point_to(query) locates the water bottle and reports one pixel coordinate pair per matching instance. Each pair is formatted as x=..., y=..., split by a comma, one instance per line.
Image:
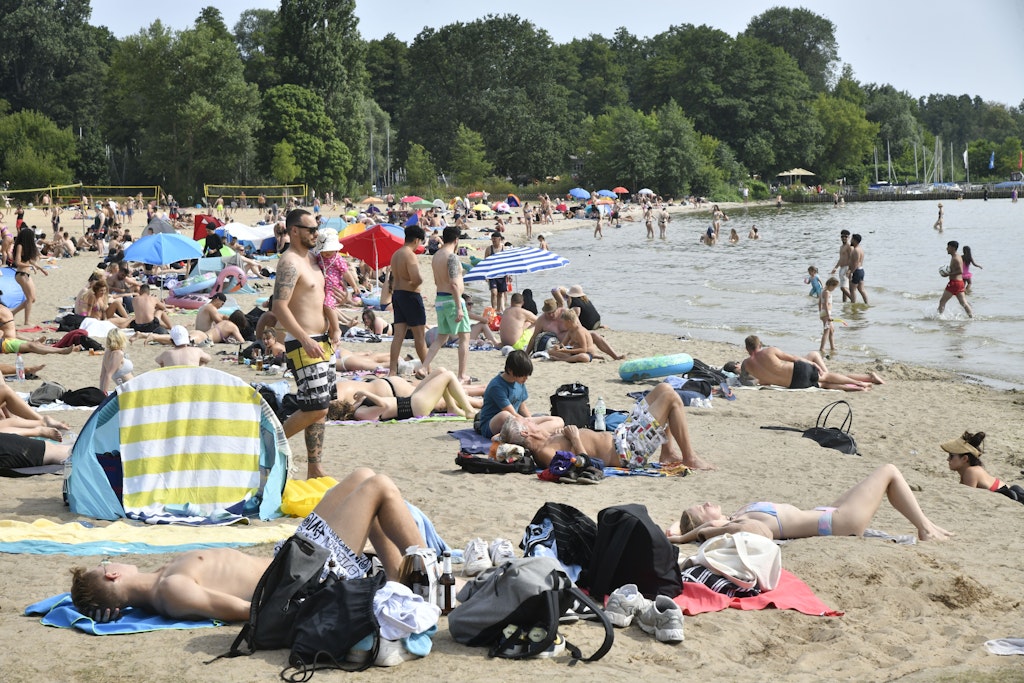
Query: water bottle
x=19, y=368
x=599, y=412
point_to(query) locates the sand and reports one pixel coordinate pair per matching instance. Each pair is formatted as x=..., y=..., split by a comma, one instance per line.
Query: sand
x=918, y=612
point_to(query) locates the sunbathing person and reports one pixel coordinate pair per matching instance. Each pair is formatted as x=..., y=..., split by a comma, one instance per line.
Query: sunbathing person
x=219, y=583
x=657, y=421
x=18, y=417
x=400, y=387
x=577, y=345
x=216, y=324
x=351, y=361
x=965, y=459
x=95, y=302
x=116, y=368
x=772, y=366
x=438, y=384
x=185, y=351
x=9, y=342
x=847, y=516
x=23, y=451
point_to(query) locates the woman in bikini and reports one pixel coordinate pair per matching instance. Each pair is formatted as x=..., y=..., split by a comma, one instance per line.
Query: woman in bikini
x=848, y=516
x=26, y=261
x=94, y=302
x=400, y=387
x=969, y=262
x=965, y=459
x=439, y=384
x=116, y=368
x=348, y=361
x=6, y=243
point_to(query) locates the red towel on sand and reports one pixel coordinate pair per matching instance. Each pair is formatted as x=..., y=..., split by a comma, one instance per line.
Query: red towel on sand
x=791, y=593
x=34, y=328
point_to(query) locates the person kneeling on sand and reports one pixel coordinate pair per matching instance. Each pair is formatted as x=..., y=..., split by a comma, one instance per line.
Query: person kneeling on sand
x=218, y=583
x=657, y=421
x=772, y=366
x=847, y=516
x=577, y=345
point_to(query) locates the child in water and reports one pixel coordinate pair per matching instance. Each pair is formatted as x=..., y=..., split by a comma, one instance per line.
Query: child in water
x=813, y=281
x=828, y=329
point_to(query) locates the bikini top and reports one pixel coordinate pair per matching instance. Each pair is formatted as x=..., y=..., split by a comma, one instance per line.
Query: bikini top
x=762, y=507
x=127, y=368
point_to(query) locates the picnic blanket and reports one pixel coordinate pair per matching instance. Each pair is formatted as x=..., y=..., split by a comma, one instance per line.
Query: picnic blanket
x=59, y=612
x=790, y=593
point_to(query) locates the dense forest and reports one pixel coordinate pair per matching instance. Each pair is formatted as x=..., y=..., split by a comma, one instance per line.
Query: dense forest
x=297, y=95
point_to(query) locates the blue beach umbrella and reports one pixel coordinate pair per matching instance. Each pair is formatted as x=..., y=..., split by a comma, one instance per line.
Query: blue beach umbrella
x=606, y=193
x=579, y=193
x=10, y=291
x=515, y=262
x=162, y=248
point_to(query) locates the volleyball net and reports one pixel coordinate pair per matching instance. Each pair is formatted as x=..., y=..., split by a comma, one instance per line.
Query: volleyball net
x=248, y=195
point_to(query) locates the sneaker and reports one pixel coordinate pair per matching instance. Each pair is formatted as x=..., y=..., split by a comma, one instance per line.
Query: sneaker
x=516, y=645
x=625, y=603
x=537, y=634
x=664, y=619
x=476, y=557
x=501, y=552
x=390, y=653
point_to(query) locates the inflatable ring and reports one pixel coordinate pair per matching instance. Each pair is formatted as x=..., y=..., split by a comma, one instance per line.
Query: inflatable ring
x=231, y=279
x=196, y=283
x=191, y=301
x=655, y=366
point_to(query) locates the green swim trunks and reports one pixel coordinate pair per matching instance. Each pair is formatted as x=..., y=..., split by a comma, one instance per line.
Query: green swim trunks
x=12, y=345
x=446, y=314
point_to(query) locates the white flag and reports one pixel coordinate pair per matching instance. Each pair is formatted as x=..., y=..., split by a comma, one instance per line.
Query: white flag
x=965, y=157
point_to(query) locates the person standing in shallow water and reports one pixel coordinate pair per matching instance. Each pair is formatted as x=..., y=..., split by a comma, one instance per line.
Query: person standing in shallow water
x=857, y=270
x=956, y=285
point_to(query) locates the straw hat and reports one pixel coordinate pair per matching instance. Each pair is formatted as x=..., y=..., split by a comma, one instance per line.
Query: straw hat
x=575, y=290
x=959, y=446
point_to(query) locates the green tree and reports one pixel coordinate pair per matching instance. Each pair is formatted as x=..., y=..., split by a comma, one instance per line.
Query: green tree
x=895, y=113
x=594, y=76
x=807, y=37
x=36, y=153
x=256, y=33
x=419, y=169
x=623, y=149
x=679, y=157
x=320, y=50
x=469, y=158
x=387, y=72
x=283, y=166
x=847, y=136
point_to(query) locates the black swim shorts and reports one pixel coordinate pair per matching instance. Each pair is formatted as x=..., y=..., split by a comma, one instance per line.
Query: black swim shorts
x=408, y=308
x=804, y=375
x=20, y=451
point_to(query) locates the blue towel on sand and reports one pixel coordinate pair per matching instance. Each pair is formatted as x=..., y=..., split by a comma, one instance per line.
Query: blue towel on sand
x=60, y=612
x=470, y=441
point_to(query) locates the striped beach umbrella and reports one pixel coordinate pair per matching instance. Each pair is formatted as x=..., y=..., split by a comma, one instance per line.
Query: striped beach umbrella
x=515, y=262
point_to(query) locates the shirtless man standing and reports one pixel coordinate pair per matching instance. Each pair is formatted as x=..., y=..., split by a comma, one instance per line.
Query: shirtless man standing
x=956, y=285
x=150, y=313
x=843, y=265
x=657, y=421
x=516, y=324
x=857, y=269
x=772, y=366
x=183, y=352
x=311, y=331
x=218, y=583
x=406, y=300
x=452, y=316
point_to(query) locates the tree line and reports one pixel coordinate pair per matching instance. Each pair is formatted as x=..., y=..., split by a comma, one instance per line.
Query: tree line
x=297, y=95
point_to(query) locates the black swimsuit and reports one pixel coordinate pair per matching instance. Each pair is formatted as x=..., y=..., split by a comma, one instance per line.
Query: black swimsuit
x=404, y=407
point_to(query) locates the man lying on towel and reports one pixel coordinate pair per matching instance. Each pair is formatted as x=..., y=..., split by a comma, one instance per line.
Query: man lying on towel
x=658, y=421
x=770, y=365
x=219, y=583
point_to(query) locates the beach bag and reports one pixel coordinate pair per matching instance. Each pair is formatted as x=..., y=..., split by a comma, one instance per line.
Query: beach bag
x=69, y=322
x=631, y=548
x=86, y=396
x=292, y=577
x=329, y=623
x=838, y=438
x=523, y=592
x=572, y=533
x=482, y=464
x=747, y=560
x=45, y=393
x=571, y=402
x=702, y=370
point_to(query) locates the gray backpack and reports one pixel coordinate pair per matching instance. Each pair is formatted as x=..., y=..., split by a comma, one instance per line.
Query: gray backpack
x=525, y=592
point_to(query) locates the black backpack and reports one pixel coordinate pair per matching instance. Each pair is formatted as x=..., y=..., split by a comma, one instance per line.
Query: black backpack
x=702, y=370
x=481, y=464
x=630, y=548
x=571, y=402
x=574, y=533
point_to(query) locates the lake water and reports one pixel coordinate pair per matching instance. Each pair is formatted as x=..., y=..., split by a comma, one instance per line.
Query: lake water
x=726, y=292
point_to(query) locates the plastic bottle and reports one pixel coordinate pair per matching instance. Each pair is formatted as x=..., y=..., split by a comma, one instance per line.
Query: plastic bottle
x=599, y=413
x=447, y=582
x=19, y=368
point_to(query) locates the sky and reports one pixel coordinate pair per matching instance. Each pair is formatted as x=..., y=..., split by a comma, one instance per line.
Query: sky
x=921, y=47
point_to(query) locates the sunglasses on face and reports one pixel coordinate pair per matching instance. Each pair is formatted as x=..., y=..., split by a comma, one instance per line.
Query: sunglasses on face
x=312, y=230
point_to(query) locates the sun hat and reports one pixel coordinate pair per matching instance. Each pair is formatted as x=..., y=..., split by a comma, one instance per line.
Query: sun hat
x=959, y=446
x=327, y=240
x=179, y=336
x=575, y=290
x=549, y=305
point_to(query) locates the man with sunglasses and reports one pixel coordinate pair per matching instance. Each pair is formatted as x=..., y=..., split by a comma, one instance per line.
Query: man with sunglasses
x=311, y=329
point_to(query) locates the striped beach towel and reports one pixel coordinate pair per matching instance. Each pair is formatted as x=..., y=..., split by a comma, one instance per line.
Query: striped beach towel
x=190, y=438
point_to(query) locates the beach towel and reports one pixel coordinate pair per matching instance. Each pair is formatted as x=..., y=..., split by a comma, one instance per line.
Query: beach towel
x=470, y=441
x=437, y=417
x=171, y=443
x=790, y=593
x=43, y=537
x=1005, y=646
x=59, y=611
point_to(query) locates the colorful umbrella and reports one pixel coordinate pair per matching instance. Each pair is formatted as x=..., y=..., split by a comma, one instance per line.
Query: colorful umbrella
x=10, y=291
x=422, y=204
x=515, y=262
x=646, y=190
x=606, y=193
x=372, y=200
x=620, y=190
x=375, y=246
x=579, y=193
x=161, y=249
x=501, y=207
x=475, y=195
x=481, y=207
x=409, y=199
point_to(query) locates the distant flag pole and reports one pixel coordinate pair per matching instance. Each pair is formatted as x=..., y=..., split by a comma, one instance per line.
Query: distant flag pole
x=992, y=161
x=965, y=158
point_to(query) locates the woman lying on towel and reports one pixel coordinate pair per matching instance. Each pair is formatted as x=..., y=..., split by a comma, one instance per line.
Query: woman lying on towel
x=848, y=516
x=400, y=387
x=965, y=459
x=439, y=384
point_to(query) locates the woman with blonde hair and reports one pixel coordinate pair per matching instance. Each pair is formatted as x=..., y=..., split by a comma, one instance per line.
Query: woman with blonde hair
x=116, y=368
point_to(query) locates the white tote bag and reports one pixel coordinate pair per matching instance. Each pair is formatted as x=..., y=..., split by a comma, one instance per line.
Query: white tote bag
x=744, y=558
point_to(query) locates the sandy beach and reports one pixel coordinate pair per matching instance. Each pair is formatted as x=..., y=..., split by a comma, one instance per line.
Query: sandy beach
x=912, y=612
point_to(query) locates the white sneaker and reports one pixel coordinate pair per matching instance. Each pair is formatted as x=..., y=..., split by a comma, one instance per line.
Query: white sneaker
x=664, y=619
x=501, y=552
x=476, y=557
x=390, y=653
x=625, y=603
